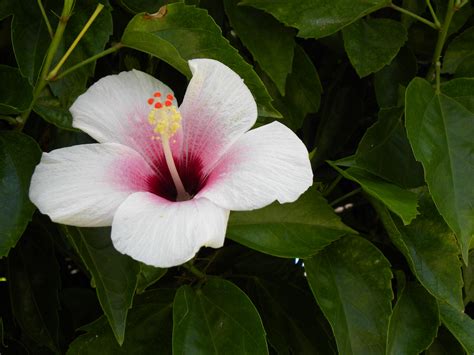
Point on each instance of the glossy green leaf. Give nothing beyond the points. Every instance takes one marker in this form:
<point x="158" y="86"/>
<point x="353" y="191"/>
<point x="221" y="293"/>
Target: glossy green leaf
<point x="371" y="44"/>
<point x="16" y="93"/>
<point x="33" y="279"/>
<point x="430" y="248"/>
<point x="317" y="18"/>
<point x="303" y="91"/>
<point x="198" y="37"/>
<point x="149" y="327"/>
<point x="439" y="129"/>
<point x="52" y="111"/>
<point x="350" y="280"/>
<point x="414" y="322"/>
<point x="114" y="274"/>
<point x="299" y="229"/>
<point x="30" y="38"/>
<point x="273" y="48"/>
<point x="215" y="319"/>
<point x="93" y="42"/>
<point x="390" y="82"/>
<point x="402" y="202"/>
<point x="458" y="50"/>
<point x="19" y="155"/>
<point x="148" y="276"/>
<point x="459" y="324"/>
<point x="384" y="151"/>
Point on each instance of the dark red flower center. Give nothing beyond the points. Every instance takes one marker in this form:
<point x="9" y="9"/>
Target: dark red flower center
<point x="191" y="175"/>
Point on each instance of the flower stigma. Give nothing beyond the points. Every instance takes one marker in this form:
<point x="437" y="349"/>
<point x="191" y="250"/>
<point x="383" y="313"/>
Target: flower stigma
<point x="166" y="121"/>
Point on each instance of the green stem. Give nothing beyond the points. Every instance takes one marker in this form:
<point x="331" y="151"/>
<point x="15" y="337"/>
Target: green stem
<point x="190" y="267"/>
<point x="53" y="48"/>
<point x="415" y="16"/>
<point x="88" y="24"/>
<point x="112" y="49"/>
<point x="342" y="198"/>
<point x="434" y="72"/>
<point x="332" y="186"/>
<point x="433" y="14"/>
<point x="45" y="18"/>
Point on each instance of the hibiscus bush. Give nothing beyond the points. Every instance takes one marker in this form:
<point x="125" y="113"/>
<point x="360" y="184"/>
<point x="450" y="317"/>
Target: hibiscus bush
<point x="331" y="142"/>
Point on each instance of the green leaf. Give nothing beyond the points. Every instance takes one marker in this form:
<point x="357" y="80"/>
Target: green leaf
<point x="6" y="9"/>
<point x="468" y="274"/>
<point x="294" y="230"/>
<point x="459" y="324"/>
<point x="390" y="82"/>
<point x="430" y="248"/>
<point x="402" y="202"/>
<point x="19" y="155"/>
<point x="33" y="279"/>
<point x="439" y="129"/>
<point x="414" y="322"/>
<point x="465" y="68"/>
<point x="294" y="323"/>
<point x="445" y="343"/>
<point x="149" y="327"/>
<point x="384" y="151"/>
<point x="216" y="319"/>
<point x="185" y="32"/>
<point x="350" y="280"/>
<point x="51" y="110"/>
<point x="136" y="6"/>
<point x="318" y="18"/>
<point x="16" y="93"/>
<point x="30" y="38"/>
<point x="458" y="50"/>
<point x="114" y="274"/>
<point x="148" y="276"/>
<point x="371" y="44"/>
<point x="334" y="130"/>
<point x="68" y="88"/>
<point x="462" y="90"/>
<point x="272" y="47"/>
<point x="303" y="91"/>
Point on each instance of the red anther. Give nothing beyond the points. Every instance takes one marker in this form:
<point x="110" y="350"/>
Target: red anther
<point x="168" y="103"/>
<point x="150" y="101"/>
<point x="169" y="97"/>
<point x="158" y="105"/>
<point x="157" y="94"/>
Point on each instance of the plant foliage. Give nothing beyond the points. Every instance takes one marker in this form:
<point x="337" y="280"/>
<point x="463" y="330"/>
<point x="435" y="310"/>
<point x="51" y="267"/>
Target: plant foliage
<point x="375" y="258"/>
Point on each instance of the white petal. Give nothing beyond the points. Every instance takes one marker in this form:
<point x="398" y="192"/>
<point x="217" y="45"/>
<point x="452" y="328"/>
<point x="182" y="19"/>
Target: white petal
<point x="115" y="109"/>
<point x="217" y="109"/>
<point x="267" y="164"/>
<point x="83" y="185"/>
<point x="163" y="233"/>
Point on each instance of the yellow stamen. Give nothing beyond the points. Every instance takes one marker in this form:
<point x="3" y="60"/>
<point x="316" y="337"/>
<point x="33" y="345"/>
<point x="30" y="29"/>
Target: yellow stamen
<point x="166" y="121"/>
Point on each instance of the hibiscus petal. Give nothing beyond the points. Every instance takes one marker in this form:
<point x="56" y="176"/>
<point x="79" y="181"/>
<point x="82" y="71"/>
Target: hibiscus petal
<point x="84" y="185"/>
<point x="217" y="109"/>
<point x="267" y="164"/>
<point x="115" y="109"/>
<point x="163" y="233"/>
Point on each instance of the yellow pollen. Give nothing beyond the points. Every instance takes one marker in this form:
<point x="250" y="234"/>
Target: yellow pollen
<point x="166" y="121"/>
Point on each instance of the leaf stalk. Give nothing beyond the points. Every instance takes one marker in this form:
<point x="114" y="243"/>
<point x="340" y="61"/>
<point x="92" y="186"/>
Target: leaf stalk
<point x="415" y="16"/>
